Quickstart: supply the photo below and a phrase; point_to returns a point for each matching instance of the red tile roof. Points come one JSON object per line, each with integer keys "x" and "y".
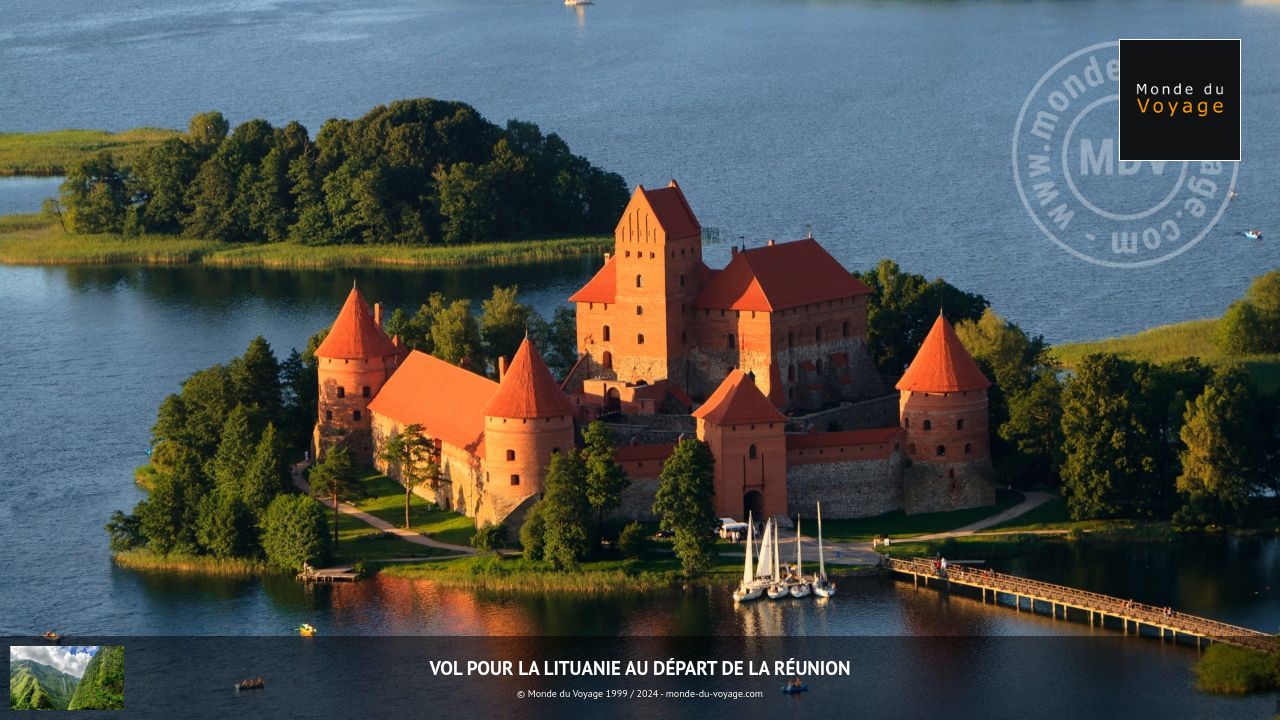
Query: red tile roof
{"x": 354, "y": 335}
{"x": 527, "y": 389}
{"x": 671, "y": 210}
{"x": 943, "y": 364}
{"x": 737, "y": 402}
{"x": 874, "y": 436}
{"x": 602, "y": 287}
{"x": 777, "y": 277}
{"x": 446, "y": 400}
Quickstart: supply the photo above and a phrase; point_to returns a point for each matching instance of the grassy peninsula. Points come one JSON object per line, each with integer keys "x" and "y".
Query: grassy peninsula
{"x": 54, "y": 152}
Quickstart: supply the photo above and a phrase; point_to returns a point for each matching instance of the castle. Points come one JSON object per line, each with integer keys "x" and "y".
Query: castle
{"x": 765, "y": 360}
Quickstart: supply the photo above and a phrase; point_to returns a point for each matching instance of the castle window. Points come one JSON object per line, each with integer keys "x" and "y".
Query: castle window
{"x": 751, "y": 452}
{"x": 628, "y": 253}
{"x": 606, "y": 333}
{"x": 968, "y": 448}
{"x": 684, "y": 338}
{"x": 364, "y": 391}
{"x": 511, "y": 455}
{"x": 928, "y": 424}
{"x": 355, "y": 414}
{"x": 942, "y": 450}
{"x": 638, "y": 281}
{"x": 844, "y": 328}
{"x": 951, "y": 474}
{"x": 651, "y": 255}
{"x": 730, "y": 341}
{"x": 606, "y": 360}
{"x": 960, "y": 424}
{"x": 342, "y": 392}
{"x": 640, "y": 339}
{"x": 515, "y": 479}
{"x": 817, "y": 333}
{"x": 682, "y": 280}
{"x": 639, "y": 310}
{"x": 328, "y": 414}
{"x": 906, "y": 422}
{"x": 791, "y": 339}
{"x": 721, "y": 313}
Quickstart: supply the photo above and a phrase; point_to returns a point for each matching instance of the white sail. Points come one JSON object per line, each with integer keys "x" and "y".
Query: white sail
{"x": 777, "y": 564}
{"x": 822, "y": 565}
{"x": 746, "y": 569}
{"x": 765, "y": 565}
{"x": 799, "y": 565}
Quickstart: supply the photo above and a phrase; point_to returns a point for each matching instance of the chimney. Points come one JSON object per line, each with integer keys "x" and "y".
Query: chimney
{"x": 502, "y": 367}
{"x": 733, "y": 250}
{"x": 377, "y": 314}
{"x": 769, "y": 242}
{"x": 607, "y": 256}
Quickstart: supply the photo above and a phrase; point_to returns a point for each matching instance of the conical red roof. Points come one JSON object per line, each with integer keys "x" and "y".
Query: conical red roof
{"x": 738, "y": 402}
{"x": 527, "y": 389}
{"x": 354, "y": 334}
{"x": 943, "y": 364}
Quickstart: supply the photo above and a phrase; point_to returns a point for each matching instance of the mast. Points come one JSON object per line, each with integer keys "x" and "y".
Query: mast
{"x": 764, "y": 567}
{"x": 822, "y": 565}
{"x": 777, "y": 569}
{"x": 799, "y": 566}
{"x": 746, "y": 569}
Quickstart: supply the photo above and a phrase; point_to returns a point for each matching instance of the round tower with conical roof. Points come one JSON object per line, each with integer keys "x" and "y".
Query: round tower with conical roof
{"x": 528, "y": 419}
{"x": 943, "y": 409}
{"x": 353, "y": 362}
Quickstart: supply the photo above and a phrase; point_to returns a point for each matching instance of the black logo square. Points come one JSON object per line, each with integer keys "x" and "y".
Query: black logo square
{"x": 1179, "y": 100}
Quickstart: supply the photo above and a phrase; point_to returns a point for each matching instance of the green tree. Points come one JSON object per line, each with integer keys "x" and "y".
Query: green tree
{"x": 455, "y": 336}
{"x": 236, "y": 446}
{"x": 557, "y": 339}
{"x": 415, "y": 330}
{"x": 102, "y": 686}
{"x": 1034, "y": 426}
{"x": 1013, "y": 356}
{"x": 255, "y": 377}
{"x": 1225, "y": 457}
{"x": 504, "y": 322}
{"x": 565, "y": 512}
{"x": 632, "y": 540}
{"x": 335, "y": 477}
{"x": 605, "y": 478}
{"x": 206, "y": 131}
{"x": 168, "y": 517}
{"x": 225, "y": 526}
{"x": 194, "y": 418}
{"x": 684, "y": 503}
{"x": 410, "y": 458}
{"x": 162, "y": 176}
{"x": 533, "y": 532}
{"x": 265, "y": 476}
{"x": 1242, "y": 330}
{"x": 468, "y": 198}
{"x": 489, "y": 538}
{"x": 125, "y": 531}
{"x": 294, "y": 533}
{"x": 96, "y": 195}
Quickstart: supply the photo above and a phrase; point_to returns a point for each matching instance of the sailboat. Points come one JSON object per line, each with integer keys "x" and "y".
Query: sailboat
{"x": 799, "y": 588}
{"x": 821, "y": 587}
{"x": 750, "y": 589}
{"x": 777, "y": 589}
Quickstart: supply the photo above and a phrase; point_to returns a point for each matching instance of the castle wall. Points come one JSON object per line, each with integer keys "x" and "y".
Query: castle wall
{"x": 847, "y": 488}
{"x": 942, "y": 487}
{"x": 346, "y": 387}
{"x": 873, "y": 413}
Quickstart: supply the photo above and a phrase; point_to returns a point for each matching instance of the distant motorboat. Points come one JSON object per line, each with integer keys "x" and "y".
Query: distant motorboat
{"x": 1253, "y": 234}
{"x": 251, "y": 684}
{"x": 578, "y": 2}
{"x": 52, "y": 637}
{"x": 306, "y": 630}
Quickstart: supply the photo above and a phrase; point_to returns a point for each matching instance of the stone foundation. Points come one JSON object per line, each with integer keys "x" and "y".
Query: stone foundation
{"x": 849, "y": 489}
{"x": 942, "y": 487}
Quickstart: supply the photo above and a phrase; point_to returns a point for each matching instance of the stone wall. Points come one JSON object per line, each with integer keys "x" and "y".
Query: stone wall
{"x": 637, "y": 500}
{"x": 849, "y": 489}
{"x": 938, "y": 487}
{"x": 874, "y": 413}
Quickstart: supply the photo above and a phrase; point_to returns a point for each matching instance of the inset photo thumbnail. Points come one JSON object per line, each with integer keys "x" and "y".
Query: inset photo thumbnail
{"x": 72, "y": 677}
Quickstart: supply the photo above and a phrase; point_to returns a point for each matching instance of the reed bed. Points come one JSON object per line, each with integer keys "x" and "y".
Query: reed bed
{"x": 51, "y": 153}
{"x": 148, "y": 561}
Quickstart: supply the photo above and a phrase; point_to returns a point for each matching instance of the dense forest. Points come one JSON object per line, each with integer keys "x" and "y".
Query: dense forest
{"x": 417, "y": 171}
{"x": 102, "y": 686}
{"x": 36, "y": 686}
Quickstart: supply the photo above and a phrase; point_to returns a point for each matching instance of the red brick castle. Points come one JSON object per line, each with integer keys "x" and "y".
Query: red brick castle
{"x": 765, "y": 360}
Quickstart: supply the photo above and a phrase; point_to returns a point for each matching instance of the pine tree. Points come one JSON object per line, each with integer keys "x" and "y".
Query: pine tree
{"x": 255, "y": 376}
{"x": 265, "y": 475}
{"x": 235, "y": 449}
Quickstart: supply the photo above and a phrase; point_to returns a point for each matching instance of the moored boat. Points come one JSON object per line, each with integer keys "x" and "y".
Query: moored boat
{"x": 821, "y": 586}
{"x": 799, "y": 586}
{"x": 750, "y": 588}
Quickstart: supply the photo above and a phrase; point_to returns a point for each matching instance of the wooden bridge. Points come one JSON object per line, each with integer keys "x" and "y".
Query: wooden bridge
{"x": 1099, "y": 607}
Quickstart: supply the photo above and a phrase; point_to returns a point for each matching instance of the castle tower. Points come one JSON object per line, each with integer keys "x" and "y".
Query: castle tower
{"x": 354, "y": 361}
{"x": 528, "y": 419}
{"x": 745, "y": 433}
{"x": 943, "y": 408}
{"x": 633, "y": 316}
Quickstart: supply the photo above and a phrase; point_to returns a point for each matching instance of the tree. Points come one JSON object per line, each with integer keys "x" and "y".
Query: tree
{"x": 1013, "y": 356}
{"x": 455, "y": 336}
{"x": 255, "y": 376}
{"x": 294, "y": 534}
{"x": 415, "y": 330}
{"x": 1225, "y": 458}
{"x": 489, "y": 538}
{"x": 265, "y": 474}
{"x": 684, "y": 503}
{"x": 206, "y": 131}
{"x": 168, "y": 517}
{"x": 194, "y": 418}
{"x": 335, "y": 477}
{"x": 409, "y": 455}
{"x": 533, "y": 532}
{"x": 1034, "y": 426}
{"x": 125, "y": 531}
{"x": 557, "y": 340}
{"x": 605, "y": 478}
{"x": 236, "y": 446}
{"x": 565, "y": 512}
{"x": 632, "y": 540}
{"x": 1242, "y": 330}
{"x": 96, "y": 195}
{"x": 504, "y": 322}
{"x": 226, "y": 527}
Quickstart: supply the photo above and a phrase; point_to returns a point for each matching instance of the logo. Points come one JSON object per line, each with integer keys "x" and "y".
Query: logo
{"x": 1082, "y": 196}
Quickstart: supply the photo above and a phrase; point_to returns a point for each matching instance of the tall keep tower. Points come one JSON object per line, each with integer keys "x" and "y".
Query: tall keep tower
{"x": 354, "y": 361}
{"x": 528, "y": 419}
{"x": 633, "y": 316}
{"x": 943, "y": 408}
{"x": 745, "y": 433}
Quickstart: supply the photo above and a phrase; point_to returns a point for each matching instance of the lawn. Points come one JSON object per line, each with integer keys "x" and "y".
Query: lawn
{"x": 36, "y": 240}
{"x": 1172, "y": 342}
{"x": 898, "y": 524}
{"x": 51, "y": 153}
{"x": 384, "y": 498}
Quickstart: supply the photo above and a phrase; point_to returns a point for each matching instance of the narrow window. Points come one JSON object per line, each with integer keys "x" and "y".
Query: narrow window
{"x": 355, "y": 414}
{"x": 639, "y": 281}
{"x": 928, "y": 424}
{"x": 942, "y": 450}
{"x": 906, "y": 422}
{"x": 515, "y": 479}
{"x": 342, "y": 392}
{"x": 751, "y": 452}
{"x": 817, "y": 333}
{"x": 606, "y": 333}
{"x": 511, "y": 455}
{"x": 681, "y": 280}
{"x": 791, "y": 339}
{"x": 640, "y": 339}
{"x": 960, "y": 424}
{"x": 968, "y": 448}
{"x": 730, "y": 341}
{"x": 607, "y": 360}
{"x": 844, "y": 328}
{"x": 639, "y": 310}
{"x": 328, "y": 414}
{"x": 911, "y": 448}
{"x": 365, "y": 391}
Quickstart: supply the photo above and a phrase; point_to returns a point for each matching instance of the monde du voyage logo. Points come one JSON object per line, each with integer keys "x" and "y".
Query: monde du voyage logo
{"x": 1129, "y": 169}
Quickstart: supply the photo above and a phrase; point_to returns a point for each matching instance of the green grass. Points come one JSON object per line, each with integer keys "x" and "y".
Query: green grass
{"x": 1173, "y": 342}
{"x": 1052, "y": 515}
{"x": 35, "y": 240}
{"x": 147, "y": 560}
{"x": 384, "y": 498}
{"x": 51, "y": 153}
{"x": 1229, "y": 670}
{"x": 898, "y": 524}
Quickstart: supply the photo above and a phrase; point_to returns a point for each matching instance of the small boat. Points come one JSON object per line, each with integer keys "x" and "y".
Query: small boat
{"x": 306, "y": 630}
{"x": 777, "y": 588}
{"x": 251, "y": 684}
{"x": 1253, "y": 234}
{"x": 52, "y": 637}
{"x": 749, "y": 589}
{"x": 821, "y": 587}
{"x": 1233, "y": 195}
{"x": 795, "y": 686}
